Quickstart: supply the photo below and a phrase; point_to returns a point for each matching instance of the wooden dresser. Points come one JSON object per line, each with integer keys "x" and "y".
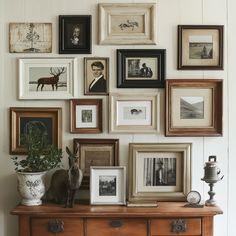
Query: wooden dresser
{"x": 169, "y": 218}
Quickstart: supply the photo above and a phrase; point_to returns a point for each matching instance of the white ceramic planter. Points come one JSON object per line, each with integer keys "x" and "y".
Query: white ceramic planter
{"x": 31, "y": 187}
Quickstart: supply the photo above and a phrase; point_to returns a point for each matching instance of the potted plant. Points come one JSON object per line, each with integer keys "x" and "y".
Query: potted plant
{"x": 31, "y": 170}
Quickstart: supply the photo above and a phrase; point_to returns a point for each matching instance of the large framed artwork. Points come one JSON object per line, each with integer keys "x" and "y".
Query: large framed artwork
{"x": 194, "y": 107}
{"x": 200, "y": 47}
{"x": 48, "y": 119}
{"x": 127, "y": 23}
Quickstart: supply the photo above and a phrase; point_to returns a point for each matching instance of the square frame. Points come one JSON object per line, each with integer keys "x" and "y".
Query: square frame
{"x": 142, "y": 159}
{"x": 204, "y": 97}
{"x": 48, "y": 118}
{"x": 70, "y": 28}
{"x": 200, "y": 47}
{"x": 113, "y": 191}
{"x": 132, "y": 113}
{"x": 131, "y": 72}
{"x": 95, "y": 152}
{"x": 86, "y": 116}
{"x": 122, "y": 23}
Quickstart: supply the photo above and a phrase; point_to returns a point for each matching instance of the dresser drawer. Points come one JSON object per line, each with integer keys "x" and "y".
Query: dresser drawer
{"x": 176, "y": 226}
{"x": 116, "y": 227}
{"x": 57, "y": 226}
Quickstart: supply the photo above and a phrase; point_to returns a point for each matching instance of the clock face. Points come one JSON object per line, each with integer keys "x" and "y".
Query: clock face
{"x": 193, "y": 197}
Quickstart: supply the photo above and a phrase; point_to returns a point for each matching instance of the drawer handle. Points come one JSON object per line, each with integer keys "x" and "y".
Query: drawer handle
{"x": 179, "y": 226}
{"x": 116, "y": 223}
{"x": 56, "y": 226}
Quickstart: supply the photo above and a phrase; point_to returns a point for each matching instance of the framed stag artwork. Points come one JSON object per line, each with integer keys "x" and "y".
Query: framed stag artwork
{"x": 47, "y": 78}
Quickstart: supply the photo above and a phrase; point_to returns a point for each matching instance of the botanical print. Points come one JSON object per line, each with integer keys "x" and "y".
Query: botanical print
{"x": 74, "y": 35}
{"x": 134, "y": 113}
{"x": 107, "y": 185}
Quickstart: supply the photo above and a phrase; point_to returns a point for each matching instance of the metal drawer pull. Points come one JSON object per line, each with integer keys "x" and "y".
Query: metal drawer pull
{"x": 55, "y": 226}
{"x": 116, "y": 223}
{"x": 179, "y": 226}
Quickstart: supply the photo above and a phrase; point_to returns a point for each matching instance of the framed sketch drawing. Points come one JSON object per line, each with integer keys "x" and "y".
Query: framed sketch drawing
{"x": 159, "y": 171}
{"x": 47, "y": 78}
{"x": 107, "y": 185}
{"x": 86, "y": 116}
{"x": 75, "y": 34}
{"x": 200, "y": 47}
{"x": 194, "y": 107}
{"x": 48, "y": 119}
{"x": 141, "y": 68}
{"x": 30, "y": 37}
{"x": 122, "y": 23}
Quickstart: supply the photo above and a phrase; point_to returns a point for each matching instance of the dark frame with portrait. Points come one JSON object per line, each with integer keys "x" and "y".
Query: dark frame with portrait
{"x": 141, "y": 68}
{"x": 75, "y": 34}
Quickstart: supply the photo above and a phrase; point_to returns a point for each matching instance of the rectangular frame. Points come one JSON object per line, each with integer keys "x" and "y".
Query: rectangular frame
{"x": 39, "y": 78}
{"x": 194, "y": 107}
{"x": 122, "y": 23}
{"x": 143, "y": 162}
{"x": 132, "y": 113}
{"x": 108, "y": 185}
{"x": 200, "y": 47}
{"x": 86, "y": 116}
{"x": 48, "y": 118}
{"x": 95, "y": 152}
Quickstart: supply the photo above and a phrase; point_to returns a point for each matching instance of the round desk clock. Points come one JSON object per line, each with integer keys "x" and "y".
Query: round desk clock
{"x": 193, "y": 199}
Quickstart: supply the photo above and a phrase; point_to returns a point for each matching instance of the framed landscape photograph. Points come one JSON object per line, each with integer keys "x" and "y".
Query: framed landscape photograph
{"x": 194, "y": 107}
{"x": 141, "y": 68}
{"x": 47, "y": 78}
{"x": 127, "y": 23}
{"x": 48, "y": 119}
{"x": 86, "y": 116}
{"x": 132, "y": 113}
{"x": 107, "y": 185}
{"x": 30, "y": 37}
{"x": 159, "y": 172}
{"x": 95, "y": 152}
{"x": 75, "y": 34}
{"x": 200, "y": 47}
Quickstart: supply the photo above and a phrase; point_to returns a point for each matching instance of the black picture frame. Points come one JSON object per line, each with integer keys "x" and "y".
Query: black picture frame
{"x": 137, "y": 79}
{"x": 80, "y": 28}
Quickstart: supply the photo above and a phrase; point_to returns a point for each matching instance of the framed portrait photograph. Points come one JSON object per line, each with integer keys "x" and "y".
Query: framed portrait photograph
{"x": 132, "y": 113}
{"x": 30, "y": 37}
{"x": 48, "y": 119}
{"x": 95, "y": 152}
{"x": 141, "y": 68}
{"x": 96, "y": 75}
{"x": 47, "y": 78}
{"x": 107, "y": 185}
{"x": 86, "y": 116}
{"x": 200, "y": 47}
{"x": 194, "y": 107}
{"x": 159, "y": 171}
{"x": 75, "y": 32}
{"x": 127, "y": 23}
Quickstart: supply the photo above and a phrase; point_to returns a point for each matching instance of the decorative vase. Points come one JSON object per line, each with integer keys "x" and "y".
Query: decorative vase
{"x": 31, "y": 187}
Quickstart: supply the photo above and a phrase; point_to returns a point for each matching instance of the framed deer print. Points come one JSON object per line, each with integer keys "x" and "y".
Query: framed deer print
{"x": 47, "y": 78}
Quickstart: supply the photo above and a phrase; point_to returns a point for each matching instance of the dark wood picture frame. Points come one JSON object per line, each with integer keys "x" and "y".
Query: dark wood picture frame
{"x": 141, "y": 79}
{"x": 211, "y": 55}
{"x": 194, "y": 107}
{"x": 92, "y": 120}
{"x": 75, "y": 33}
{"x": 48, "y": 118}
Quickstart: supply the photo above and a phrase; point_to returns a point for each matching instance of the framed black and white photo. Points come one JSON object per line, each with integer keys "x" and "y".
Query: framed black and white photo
{"x": 75, "y": 34}
{"x": 108, "y": 185}
{"x": 141, "y": 68}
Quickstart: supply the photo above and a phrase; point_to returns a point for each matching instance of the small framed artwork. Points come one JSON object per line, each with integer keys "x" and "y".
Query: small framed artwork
{"x": 141, "y": 68}
{"x": 86, "y": 116}
{"x": 194, "y": 107}
{"x": 200, "y": 47}
{"x": 47, "y": 78}
{"x": 48, "y": 119}
{"x": 132, "y": 113}
{"x": 107, "y": 185}
{"x": 30, "y": 37}
{"x": 95, "y": 152}
{"x": 75, "y": 34}
{"x": 122, "y": 23}
{"x": 96, "y": 75}
{"x": 159, "y": 171}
